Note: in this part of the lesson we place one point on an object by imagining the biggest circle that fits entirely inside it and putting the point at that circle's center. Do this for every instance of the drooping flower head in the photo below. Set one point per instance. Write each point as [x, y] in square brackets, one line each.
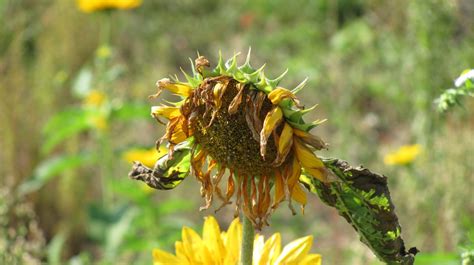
[234, 121]
[216, 247]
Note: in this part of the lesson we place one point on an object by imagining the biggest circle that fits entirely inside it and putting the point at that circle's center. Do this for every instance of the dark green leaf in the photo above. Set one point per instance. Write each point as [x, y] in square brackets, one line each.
[168, 172]
[363, 199]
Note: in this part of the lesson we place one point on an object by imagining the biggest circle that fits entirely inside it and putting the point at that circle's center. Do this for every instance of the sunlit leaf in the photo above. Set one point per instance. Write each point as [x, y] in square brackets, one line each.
[51, 168]
[131, 111]
[55, 248]
[64, 125]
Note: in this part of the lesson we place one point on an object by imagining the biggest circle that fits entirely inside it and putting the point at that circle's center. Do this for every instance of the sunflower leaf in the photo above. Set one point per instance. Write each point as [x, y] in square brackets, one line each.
[363, 199]
[169, 171]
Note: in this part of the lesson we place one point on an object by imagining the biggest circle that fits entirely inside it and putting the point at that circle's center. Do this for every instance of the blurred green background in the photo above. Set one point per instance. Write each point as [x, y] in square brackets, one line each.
[73, 103]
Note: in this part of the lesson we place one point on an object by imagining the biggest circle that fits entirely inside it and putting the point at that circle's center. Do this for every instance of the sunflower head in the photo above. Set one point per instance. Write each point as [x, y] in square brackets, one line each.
[223, 247]
[238, 123]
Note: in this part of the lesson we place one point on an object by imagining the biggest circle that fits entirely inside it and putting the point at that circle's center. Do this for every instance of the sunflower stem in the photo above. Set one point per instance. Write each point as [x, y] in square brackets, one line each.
[246, 255]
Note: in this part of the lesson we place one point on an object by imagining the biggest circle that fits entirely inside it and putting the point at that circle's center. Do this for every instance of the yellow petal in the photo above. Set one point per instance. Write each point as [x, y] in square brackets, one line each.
[233, 240]
[295, 251]
[178, 136]
[165, 111]
[294, 171]
[179, 89]
[271, 250]
[309, 161]
[278, 94]
[299, 195]
[212, 237]
[284, 143]
[192, 245]
[258, 244]
[161, 257]
[272, 120]
[179, 249]
[279, 189]
[311, 259]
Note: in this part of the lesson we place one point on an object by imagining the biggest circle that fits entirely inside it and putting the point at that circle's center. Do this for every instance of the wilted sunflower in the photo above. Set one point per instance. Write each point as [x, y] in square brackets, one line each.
[216, 247]
[233, 119]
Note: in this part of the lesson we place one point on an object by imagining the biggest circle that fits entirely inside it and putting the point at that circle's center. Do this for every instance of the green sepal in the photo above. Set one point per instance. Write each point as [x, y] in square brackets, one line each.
[191, 80]
[363, 199]
[254, 76]
[246, 68]
[231, 65]
[196, 75]
[299, 87]
[274, 82]
[304, 126]
[220, 68]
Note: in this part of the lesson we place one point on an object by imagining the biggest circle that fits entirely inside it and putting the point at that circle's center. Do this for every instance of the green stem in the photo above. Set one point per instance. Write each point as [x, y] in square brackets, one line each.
[246, 253]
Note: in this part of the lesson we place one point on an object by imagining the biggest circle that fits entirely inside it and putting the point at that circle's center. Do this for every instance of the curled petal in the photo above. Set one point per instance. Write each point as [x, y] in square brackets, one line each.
[299, 195]
[279, 94]
[176, 88]
[309, 161]
[310, 139]
[284, 144]
[165, 111]
[279, 189]
[234, 105]
[272, 120]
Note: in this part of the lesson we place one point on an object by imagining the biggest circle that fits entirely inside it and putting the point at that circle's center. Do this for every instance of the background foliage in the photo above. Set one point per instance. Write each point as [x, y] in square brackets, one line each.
[374, 67]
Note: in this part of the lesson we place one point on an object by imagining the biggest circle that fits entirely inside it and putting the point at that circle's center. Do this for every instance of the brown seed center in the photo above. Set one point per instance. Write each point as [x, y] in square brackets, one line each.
[229, 139]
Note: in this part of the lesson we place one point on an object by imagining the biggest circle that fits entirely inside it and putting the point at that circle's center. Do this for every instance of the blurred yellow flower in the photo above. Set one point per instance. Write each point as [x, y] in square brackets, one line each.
[216, 247]
[96, 5]
[403, 156]
[147, 157]
[99, 122]
[104, 52]
[95, 98]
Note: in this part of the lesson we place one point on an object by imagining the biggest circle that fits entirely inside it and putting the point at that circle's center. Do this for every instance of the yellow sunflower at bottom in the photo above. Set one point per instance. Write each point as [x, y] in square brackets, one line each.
[233, 121]
[96, 5]
[216, 247]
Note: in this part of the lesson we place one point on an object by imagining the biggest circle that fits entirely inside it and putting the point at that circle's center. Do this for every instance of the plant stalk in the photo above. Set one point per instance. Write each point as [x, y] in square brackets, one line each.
[246, 253]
